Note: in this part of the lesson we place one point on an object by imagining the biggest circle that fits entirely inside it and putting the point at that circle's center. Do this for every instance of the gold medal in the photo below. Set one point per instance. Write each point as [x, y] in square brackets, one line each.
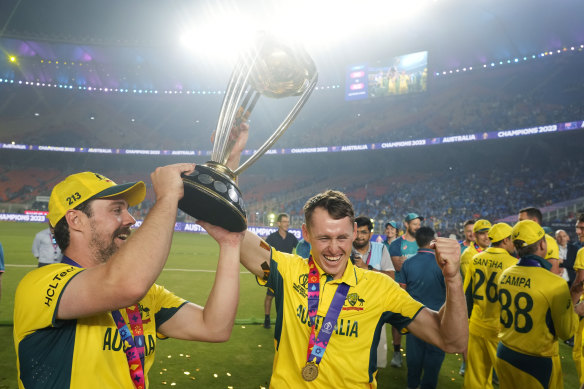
[310, 371]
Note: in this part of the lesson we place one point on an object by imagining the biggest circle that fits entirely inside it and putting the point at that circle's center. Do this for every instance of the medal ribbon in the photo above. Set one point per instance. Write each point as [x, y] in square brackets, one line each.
[369, 256]
[317, 345]
[477, 247]
[134, 353]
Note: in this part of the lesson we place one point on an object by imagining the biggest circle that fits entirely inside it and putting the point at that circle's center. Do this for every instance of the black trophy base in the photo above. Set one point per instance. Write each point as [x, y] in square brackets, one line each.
[212, 196]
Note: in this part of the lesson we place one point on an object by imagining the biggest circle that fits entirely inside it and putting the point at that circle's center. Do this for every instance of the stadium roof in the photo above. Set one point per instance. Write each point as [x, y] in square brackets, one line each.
[456, 32]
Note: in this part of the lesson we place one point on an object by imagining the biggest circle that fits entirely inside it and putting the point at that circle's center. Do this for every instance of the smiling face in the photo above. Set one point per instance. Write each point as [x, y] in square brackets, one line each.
[109, 224]
[363, 237]
[469, 233]
[482, 239]
[390, 232]
[331, 241]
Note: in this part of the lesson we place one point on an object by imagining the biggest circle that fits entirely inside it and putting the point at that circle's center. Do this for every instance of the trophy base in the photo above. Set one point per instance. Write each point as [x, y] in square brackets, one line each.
[211, 195]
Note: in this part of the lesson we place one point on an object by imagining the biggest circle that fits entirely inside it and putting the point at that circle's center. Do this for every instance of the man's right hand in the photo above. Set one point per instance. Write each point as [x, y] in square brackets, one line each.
[167, 181]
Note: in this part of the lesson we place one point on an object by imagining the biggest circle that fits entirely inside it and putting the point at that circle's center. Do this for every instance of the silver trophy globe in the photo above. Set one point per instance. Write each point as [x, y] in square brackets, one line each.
[271, 69]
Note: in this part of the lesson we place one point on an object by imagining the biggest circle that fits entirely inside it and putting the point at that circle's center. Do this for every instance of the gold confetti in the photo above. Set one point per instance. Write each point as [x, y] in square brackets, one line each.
[170, 356]
[163, 382]
[181, 355]
[197, 369]
[188, 356]
[228, 374]
[173, 384]
[242, 326]
[215, 375]
[192, 378]
[161, 373]
[187, 373]
[164, 369]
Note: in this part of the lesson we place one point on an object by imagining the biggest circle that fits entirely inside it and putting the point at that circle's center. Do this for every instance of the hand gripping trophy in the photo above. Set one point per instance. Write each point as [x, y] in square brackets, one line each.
[271, 69]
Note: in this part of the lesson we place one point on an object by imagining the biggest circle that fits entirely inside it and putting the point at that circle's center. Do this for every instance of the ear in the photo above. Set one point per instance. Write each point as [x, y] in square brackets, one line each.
[75, 220]
[354, 230]
[305, 233]
[543, 246]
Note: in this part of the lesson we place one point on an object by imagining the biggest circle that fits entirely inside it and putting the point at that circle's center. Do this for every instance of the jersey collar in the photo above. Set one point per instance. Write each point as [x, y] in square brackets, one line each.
[349, 275]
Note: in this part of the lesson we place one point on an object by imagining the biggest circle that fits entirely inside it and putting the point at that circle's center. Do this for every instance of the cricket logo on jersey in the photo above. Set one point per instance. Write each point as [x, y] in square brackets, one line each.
[300, 287]
[353, 299]
[145, 313]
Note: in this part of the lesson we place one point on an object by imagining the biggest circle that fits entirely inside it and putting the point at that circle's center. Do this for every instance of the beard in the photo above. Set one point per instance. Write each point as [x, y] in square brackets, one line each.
[359, 245]
[102, 248]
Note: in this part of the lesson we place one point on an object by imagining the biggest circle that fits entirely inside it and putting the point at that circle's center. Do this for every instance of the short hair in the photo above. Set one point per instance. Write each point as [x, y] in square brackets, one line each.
[580, 218]
[424, 236]
[468, 222]
[498, 243]
[533, 213]
[282, 215]
[61, 233]
[364, 221]
[336, 203]
[526, 250]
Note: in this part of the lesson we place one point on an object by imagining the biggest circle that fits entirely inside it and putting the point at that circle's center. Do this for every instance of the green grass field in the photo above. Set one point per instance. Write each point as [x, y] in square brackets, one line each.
[245, 361]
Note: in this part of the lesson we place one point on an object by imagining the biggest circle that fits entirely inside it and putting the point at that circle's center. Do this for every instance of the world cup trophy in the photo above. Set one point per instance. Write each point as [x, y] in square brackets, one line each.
[271, 69]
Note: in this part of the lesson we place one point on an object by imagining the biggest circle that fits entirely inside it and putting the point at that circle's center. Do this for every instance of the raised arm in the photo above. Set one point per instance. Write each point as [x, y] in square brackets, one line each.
[106, 286]
[255, 255]
[447, 328]
[214, 322]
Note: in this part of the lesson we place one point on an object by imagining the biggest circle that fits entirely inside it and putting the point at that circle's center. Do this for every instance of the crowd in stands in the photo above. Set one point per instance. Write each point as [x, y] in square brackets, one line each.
[453, 105]
[483, 100]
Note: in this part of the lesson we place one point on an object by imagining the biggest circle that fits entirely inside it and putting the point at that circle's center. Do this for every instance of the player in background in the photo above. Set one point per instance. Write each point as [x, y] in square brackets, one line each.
[467, 230]
[536, 310]
[480, 285]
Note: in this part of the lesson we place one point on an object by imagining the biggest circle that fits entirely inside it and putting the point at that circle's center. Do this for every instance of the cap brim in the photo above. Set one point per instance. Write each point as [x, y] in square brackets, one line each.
[133, 192]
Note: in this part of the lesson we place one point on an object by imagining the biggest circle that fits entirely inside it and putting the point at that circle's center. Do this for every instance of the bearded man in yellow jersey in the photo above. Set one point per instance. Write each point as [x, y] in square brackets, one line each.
[536, 310]
[92, 320]
[480, 285]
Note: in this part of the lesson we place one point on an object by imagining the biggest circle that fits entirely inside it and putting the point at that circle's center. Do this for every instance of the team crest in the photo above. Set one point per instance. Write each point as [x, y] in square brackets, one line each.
[355, 302]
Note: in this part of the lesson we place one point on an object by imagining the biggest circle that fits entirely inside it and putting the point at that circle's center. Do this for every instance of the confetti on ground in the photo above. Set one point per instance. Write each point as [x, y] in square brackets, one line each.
[259, 345]
[228, 374]
[187, 373]
[170, 356]
[242, 326]
[173, 384]
[215, 375]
